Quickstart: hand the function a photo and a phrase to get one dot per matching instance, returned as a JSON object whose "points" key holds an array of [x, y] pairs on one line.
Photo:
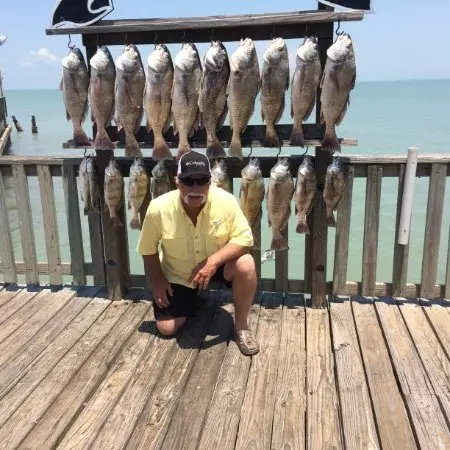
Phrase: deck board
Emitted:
{"points": [[10, 302], [96, 374]]}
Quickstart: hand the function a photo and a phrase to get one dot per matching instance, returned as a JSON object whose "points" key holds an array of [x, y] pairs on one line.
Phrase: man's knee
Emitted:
{"points": [[169, 327], [244, 266]]}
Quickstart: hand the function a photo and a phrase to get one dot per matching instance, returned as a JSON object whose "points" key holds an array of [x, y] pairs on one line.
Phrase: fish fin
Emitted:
{"points": [[322, 80], [280, 111], [287, 80], [111, 114], [286, 219], [215, 149], [302, 226], [262, 115], [278, 241], [331, 221], [311, 107], [160, 149], [322, 117], [352, 85], [132, 146], [222, 117], [102, 140], [342, 114], [271, 139], [135, 223], [330, 141], [235, 149], [297, 137], [80, 137]]}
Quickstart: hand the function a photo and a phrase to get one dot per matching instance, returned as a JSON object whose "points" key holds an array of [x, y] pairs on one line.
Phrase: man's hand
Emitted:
{"points": [[160, 290], [202, 274]]}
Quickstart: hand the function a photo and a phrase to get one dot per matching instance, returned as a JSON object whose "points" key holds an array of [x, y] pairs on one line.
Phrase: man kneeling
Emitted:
{"points": [[204, 237]]}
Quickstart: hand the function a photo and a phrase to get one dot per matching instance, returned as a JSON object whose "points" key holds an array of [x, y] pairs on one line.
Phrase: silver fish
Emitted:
{"points": [[84, 185], [113, 191], [243, 88], [129, 91], [305, 191], [138, 187], [219, 175], [185, 95], [279, 196], [160, 181], [94, 190], [334, 186], [74, 86], [304, 87], [274, 83], [213, 96], [251, 195], [158, 98], [338, 80], [101, 95]]}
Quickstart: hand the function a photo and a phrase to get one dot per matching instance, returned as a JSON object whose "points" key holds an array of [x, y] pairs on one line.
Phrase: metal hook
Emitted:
{"points": [[251, 151], [306, 29], [85, 151], [305, 152], [71, 45], [338, 28], [279, 151]]}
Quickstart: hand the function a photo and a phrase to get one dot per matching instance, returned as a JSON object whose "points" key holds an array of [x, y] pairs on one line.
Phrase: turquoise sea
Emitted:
{"points": [[385, 117]]}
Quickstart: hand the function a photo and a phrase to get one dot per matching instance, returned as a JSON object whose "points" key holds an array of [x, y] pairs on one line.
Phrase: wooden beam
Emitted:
{"points": [[5, 139], [202, 29]]}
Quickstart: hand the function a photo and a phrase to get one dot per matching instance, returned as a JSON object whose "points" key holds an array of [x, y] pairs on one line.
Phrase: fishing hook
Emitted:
{"points": [[338, 28], [251, 150], [306, 151], [85, 151], [279, 151], [71, 45]]}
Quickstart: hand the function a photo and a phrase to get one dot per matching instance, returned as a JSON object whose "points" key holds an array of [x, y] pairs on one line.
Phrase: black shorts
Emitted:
{"points": [[186, 301]]}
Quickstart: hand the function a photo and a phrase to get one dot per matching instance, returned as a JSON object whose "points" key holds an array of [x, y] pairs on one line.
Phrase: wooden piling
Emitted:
{"points": [[17, 124], [34, 128]]}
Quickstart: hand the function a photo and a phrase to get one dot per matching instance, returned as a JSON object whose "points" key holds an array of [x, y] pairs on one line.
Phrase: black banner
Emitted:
{"points": [[80, 12], [365, 5]]}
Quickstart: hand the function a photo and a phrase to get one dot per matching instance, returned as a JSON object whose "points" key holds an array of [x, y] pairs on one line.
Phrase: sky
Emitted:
{"points": [[401, 40]]}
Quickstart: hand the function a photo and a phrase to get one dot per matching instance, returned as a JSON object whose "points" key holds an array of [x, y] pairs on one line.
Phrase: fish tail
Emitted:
{"points": [[214, 148], [160, 148], [297, 137], [278, 241], [79, 136], [331, 221], [271, 139], [235, 148], [135, 223], [116, 221], [330, 141], [102, 140], [302, 226], [131, 145], [183, 147]]}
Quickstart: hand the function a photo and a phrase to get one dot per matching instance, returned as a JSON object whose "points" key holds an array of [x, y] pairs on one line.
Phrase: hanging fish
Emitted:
{"points": [[160, 181], [113, 191], [84, 185], [279, 196], [136, 191], [334, 186], [219, 176], [305, 191], [94, 190]]}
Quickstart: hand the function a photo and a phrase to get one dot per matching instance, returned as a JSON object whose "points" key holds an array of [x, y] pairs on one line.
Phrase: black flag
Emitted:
{"points": [[364, 5], [80, 12]]}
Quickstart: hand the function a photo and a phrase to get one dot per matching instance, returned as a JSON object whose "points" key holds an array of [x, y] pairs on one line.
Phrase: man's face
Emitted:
{"points": [[194, 190]]}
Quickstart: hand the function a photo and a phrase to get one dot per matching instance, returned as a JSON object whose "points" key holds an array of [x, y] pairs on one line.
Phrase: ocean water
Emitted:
{"points": [[385, 117]]}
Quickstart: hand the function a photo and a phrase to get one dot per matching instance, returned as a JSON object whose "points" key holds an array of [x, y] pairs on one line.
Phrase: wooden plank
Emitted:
{"points": [[255, 427], [5, 139], [51, 406], [429, 423], [440, 321], [23, 374], [371, 227], [35, 301], [74, 225], [281, 266], [51, 306], [50, 224], [393, 425], [447, 271], [435, 206], [434, 357], [187, 422], [6, 294], [154, 421], [120, 423], [200, 29], [96, 409], [358, 424], [322, 417], [26, 224], [401, 252], [17, 300], [6, 244], [97, 250], [222, 421], [253, 136], [42, 268], [290, 405], [344, 212]]}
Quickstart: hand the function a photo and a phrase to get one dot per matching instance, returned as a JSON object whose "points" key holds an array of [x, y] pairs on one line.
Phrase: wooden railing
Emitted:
{"points": [[16, 173]]}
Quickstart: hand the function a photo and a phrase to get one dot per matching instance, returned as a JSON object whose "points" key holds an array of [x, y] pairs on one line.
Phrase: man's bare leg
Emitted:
{"points": [[169, 326]]}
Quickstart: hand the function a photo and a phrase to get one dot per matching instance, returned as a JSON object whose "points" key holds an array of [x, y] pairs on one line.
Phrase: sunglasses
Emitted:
{"points": [[198, 181]]}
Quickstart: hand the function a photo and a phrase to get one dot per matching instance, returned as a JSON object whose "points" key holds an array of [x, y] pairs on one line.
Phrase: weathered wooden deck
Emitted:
{"points": [[79, 371]]}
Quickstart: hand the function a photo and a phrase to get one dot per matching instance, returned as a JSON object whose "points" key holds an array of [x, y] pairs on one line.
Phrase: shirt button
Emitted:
{"points": [[197, 251]]}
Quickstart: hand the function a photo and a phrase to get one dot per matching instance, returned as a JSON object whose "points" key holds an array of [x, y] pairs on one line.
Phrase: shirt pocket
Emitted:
{"points": [[175, 246], [218, 237]]}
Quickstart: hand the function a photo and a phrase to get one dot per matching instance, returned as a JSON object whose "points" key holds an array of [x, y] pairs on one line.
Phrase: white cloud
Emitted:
{"points": [[27, 64], [44, 55]]}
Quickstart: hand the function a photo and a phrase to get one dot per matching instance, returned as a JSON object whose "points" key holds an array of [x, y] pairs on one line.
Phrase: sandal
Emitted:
{"points": [[246, 342]]}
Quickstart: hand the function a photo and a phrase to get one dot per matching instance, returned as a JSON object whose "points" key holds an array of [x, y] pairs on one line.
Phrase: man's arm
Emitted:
{"points": [[156, 279]]}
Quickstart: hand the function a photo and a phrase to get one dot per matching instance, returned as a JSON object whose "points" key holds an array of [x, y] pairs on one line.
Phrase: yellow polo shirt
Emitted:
{"points": [[184, 245]]}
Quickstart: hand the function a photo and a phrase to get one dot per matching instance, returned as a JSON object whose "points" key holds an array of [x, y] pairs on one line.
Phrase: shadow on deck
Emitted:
{"points": [[77, 370]]}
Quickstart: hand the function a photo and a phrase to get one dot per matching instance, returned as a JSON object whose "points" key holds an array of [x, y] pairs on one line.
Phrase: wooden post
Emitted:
{"points": [[17, 124], [317, 241], [34, 128]]}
